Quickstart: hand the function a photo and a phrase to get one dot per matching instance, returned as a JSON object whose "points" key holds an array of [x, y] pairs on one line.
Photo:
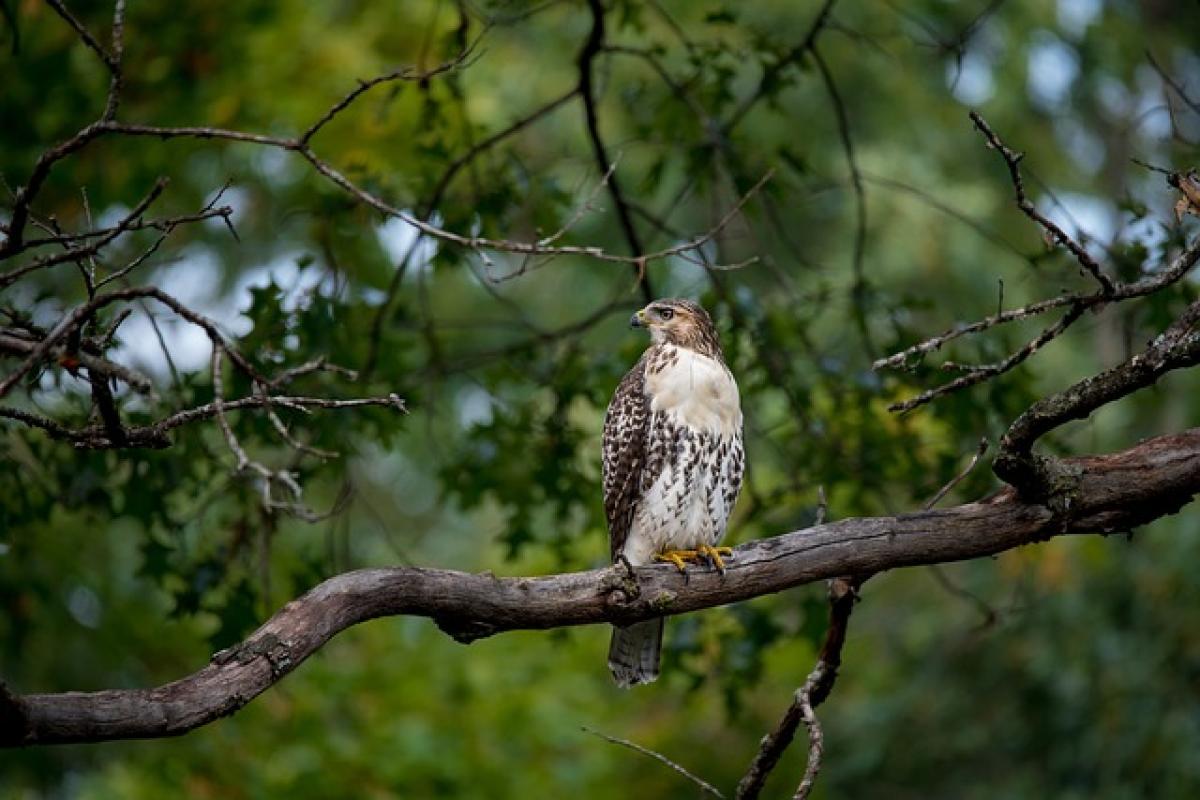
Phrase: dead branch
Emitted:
{"points": [[592, 48], [107, 125], [816, 738], [1179, 266], [1075, 303], [1115, 493], [92, 248], [155, 436], [1042, 476], [843, 592], [1012, 160], [405, 73], [12, 343], [981, 373]]}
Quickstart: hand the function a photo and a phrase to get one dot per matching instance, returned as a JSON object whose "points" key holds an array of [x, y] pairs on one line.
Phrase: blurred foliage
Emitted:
{"points": [[127, 569]]}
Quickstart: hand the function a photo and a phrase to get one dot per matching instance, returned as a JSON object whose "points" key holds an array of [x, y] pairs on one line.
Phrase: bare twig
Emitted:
{"points": [[405, 73], [1076, 303], [858, 289], [691, 246], [80, 314], [21, 345], [85, 35], [113, 101], [430, 205], [905, 358], [319, 364], [154, 435], [136, 262], [816, 739], [160, 224], [286, 434], [209, 410], [587, 91], [584, 208], [957, 479], [90, 249], [1179, 90], [267, 476], [36, 421], [1012, 160], [771, 74], [707, 787], [1179, 266], [474, 243], [483, 145], [983, 372]]}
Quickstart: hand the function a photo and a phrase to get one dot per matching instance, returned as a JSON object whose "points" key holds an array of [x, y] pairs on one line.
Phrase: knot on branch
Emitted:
{"points": [[620, 587], [1041, 479], [277, 652]]}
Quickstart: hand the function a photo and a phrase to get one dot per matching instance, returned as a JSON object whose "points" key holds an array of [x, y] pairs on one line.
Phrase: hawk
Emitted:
{"points": [[673, 462]]}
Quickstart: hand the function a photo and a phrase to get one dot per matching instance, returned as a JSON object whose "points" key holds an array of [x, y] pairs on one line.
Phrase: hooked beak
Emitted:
{"points": [[638, 320]]}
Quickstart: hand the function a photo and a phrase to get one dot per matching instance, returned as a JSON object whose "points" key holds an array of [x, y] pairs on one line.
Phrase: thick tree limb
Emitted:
{"points": [[1040, 476], [1115, 493]]}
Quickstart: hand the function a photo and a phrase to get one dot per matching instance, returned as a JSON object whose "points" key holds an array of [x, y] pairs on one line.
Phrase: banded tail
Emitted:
{"points": [[635, 652]]}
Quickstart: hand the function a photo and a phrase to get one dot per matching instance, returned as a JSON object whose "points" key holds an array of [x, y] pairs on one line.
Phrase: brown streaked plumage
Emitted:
{"points": [[673, 460]]}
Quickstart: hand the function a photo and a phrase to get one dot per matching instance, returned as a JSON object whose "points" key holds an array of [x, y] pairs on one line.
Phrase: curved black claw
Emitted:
{"points": [[713, 555], [624, 562]]}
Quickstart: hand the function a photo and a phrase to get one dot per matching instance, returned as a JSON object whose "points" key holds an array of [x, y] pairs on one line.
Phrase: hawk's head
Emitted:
{"points": [[681, 323]]}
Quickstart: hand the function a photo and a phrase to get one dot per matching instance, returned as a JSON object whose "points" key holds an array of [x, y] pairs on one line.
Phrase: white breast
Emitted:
{"points": [[695, 438], [695, 390]]}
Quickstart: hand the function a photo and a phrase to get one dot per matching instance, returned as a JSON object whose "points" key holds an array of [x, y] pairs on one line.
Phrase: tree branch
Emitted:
{"points": [[1043, 477], [1115, 493], [154, 435], [1012, 160], [843, 592], [592, 48], [12, 344], [771, 74], [704, 785]]}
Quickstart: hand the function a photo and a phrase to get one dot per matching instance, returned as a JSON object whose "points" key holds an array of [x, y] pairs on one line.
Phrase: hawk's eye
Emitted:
{"points": [[666, 313]]}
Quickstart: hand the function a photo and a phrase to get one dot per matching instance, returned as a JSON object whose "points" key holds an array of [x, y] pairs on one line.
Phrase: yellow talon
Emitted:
{"points": [[702, 552], [677, 557], [714, 554]]}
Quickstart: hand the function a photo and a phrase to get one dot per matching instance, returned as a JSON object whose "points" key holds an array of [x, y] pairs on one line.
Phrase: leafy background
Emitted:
{"points": [[1075, 671]]}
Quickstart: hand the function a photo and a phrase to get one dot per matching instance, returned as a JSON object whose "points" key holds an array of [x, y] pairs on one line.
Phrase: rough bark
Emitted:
{"points": [[1113, 493]]}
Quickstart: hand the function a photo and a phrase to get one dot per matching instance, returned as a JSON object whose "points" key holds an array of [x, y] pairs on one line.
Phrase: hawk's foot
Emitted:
{"points": [[677, 557], [714, 554]]}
